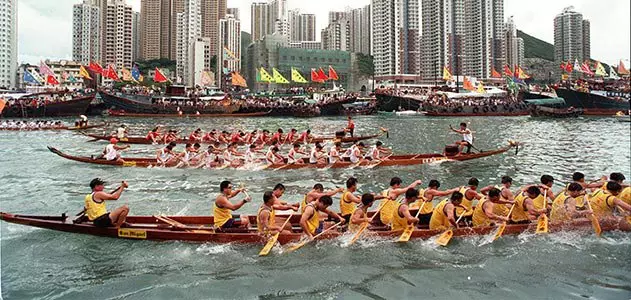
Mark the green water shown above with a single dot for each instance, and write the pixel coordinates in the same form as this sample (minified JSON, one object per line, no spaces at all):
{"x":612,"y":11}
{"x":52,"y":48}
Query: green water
{"x":44,"y":264}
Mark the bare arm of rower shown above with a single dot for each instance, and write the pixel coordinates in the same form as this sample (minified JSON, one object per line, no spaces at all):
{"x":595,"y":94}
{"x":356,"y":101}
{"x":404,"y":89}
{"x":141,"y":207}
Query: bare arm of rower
{"x":485,"y":190}
{"x":437,"y":193}
{"x":406,"y":213}
{"x":285,"y":206}
{"x":570,"y":206}
{"x":358,"y":217}
{"x":235,"y":192}
{"x":622,"y":204}
{"x":397,"y":192}
{"x":329,"y":193}
{"x":334,"y":215}
{"x":473,"y":194}
{"x":450,"y":208}
{"x":224,"y":203}
{"x":113,"y":196}
{"x":488,"y":211}
{"x":353,"y":198}
{"x":530,"y":206}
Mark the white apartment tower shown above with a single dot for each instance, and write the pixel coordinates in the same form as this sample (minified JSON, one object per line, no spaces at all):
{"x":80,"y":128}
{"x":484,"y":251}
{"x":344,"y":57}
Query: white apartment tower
{"x":514,"y":45}
{"x":337,"y":36}
{"x":484,"y":37}
{"x":571,"y":36}
{"x":86,"y":32}
{"x":189,"y":29}
{"x":260,"y":20}
{"x":118,"y":35}
{"x":234,"y":11}
{"x":360,"y":30}
{"x":8,"y":43}
{"x":229,"y":39}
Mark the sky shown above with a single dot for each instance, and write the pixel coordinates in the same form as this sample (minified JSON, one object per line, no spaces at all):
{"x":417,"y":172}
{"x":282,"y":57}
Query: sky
{"x":45,"y":26}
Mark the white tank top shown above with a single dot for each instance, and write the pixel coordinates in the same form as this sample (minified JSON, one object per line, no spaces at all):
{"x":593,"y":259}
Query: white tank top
{"x":468,"y":136}
{"x":110,"y":152}
{"x":353,"y":155}
{"x":333,"y":154}
{"x":313,"y":157}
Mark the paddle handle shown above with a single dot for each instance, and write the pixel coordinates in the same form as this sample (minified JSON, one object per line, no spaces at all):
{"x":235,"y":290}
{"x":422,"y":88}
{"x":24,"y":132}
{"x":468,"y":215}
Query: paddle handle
{"x":285,"y":224}
{"x":510,"y":211}
{"x":420,"y":209}
{"x":327,"y":230}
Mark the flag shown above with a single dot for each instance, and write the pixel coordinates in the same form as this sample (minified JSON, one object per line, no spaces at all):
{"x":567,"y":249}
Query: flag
{"x":522,"y":74}
{"x":38,"y":77}
{"x":84,"y":73}
{"x":586,"y":69}
{"x":159,"y":77}
{"x":72,"y":78}
{"x":322,"y":76}
{"x":64,"y":75}
{"x":517,"y":74}
{"x":238,"y":80}
{"x":28,"y":77}
{"x":481,"y":89}
{"x":467,"y":84}
{"x":266,"y":77}
{"x":278,"y":77}
{"x":508,"y":72}
{"x":622,"y":70}
{"x":51,"y":80}
{"x":135,"y":73}
{"x":495,"y":74}
{"x":315,"y":77}
{"x":333,"y":74}
{"x":206,"y":79}
{"x":111,"y":73}
{"x":229,"y":55}
{"x":95,"y":67}
{"x":44,"y":69}
{"x":612,"y":74}
{"x":127,"y":75}
{"x":600,"y":69}
{"x":2,"y":103}
{"x":563,"y":65}
{"x":297,"y":77}
{"x":577,"y":67}
{"x":447,"y":75}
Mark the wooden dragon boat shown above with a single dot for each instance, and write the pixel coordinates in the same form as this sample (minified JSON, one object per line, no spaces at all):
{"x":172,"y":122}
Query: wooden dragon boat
{"x":199,"y":229}
{"x":395,"y":160}
{"x":72,"y":128}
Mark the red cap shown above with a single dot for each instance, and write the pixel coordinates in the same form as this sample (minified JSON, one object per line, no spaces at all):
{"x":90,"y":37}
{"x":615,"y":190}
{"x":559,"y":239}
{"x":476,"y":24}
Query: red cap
{"x":113,"y":140}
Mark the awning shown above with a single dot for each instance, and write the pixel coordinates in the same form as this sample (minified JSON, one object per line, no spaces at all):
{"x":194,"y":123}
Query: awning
{"x":546,"y":101}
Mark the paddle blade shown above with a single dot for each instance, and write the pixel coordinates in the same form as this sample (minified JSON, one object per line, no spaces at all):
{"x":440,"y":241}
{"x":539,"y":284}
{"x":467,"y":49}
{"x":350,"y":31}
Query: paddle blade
{"x":270,"y":244}
{"x":359,"y":233}
{"x":297,"y":246}
{"x":596,"y":225}
{"x":542,"y":224}
{"x":444,"y":238}
{"x":407,"y":233}
{"x":500,"y":231}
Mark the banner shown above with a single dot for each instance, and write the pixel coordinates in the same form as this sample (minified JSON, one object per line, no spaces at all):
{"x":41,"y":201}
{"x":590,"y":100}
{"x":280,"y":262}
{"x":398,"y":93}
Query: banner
{"x":333,"y":74}
{"x":84,"y":73}
{"x":278,"y":77}
{"x":159,"y":77}
{"x":447,"y":75}
{"x":297,"y":77}
{"x":265,"y":77}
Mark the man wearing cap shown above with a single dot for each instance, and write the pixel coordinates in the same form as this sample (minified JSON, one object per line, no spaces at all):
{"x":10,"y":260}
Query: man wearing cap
{"x":111,"y":151}
{"x":95,"y":205}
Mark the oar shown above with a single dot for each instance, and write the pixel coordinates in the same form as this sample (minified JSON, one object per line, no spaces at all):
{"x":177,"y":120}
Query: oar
{"x":272,"y":241}
{"x":500,"y":230}
{"x":593,"y":218}
{"x":299,"y":245}
{"x":378,"y":163}
{"x":365,"y":225}
{"x":542,"y":223}
{"x":444,"y":238}
{"x":407,"y":233}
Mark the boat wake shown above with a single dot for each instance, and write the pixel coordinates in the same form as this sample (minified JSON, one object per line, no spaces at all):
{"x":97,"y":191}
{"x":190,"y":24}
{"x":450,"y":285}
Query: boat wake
{"x":210,"y":249}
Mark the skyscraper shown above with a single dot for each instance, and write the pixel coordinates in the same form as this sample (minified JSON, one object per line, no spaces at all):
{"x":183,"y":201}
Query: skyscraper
{"x":189,"y":29}
{"x":587,"y":43}
{"x":395,"y":32}
{"x":86,"y":32}
{"x":158,"y":21}
{"x":337,"y":35}
{"x":484,"y":37}
{"x":302,"y":26}
{"x":118,"y":35}
{"x":360,"y":30}
{"x":260,"y":20}
{"x":211,"y":12}
{"x":570,"y":38}
{"x":135,"y":33}
{"x":235,"y":12}
{"x":8,"y":43}
{"x":514,"y":45}
{"x":229,"y":45}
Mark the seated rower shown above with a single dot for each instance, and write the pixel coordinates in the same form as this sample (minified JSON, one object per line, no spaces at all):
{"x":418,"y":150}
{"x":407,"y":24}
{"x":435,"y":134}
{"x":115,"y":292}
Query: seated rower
{"x":355,"y":154}
{"x":196,"y":136}
{"x":250,"y":155}
{"x":470,"y":194}
{"x":306,"y":137}
{"x":310,"y":219}
{"x":292,"y":157}
{"x":604,"y":201}
{"x":154,"y":136}
{"x":223,"y":138}
{"x":111,"y":151}
{"x":273,"y":158}
{"x":230,"y":156}
{"x":444,"y":215}
{"x":505,"y":194}
{"x":525,"y":210}
{"x":360,"y":214}
{"x":467,"y":137}
{"x":391,"y":195}
{"x":95,"y":205}
{"x":237,"y":137}
{"x":83,"y":121}
{"x":223,"y":208}
{"x":210,"y":137}
{"x":315,"y":193}
{"x":484,"y":212}
{"x":266,"y":217}
{"x":378,"y":152}
{"x":277,"y":137}
{"x":565,"y":204}
{"x":278,"y":192}
{"x":291,"y":137}
{"x":186,"y":157}
{"x":316,"y":156}
{"x":166,"y":157}
{"x":427,"y":196}
{"x":547,"y":182}
{"x":171,"y":137}
{"x":121,"y":133}
{"x":348,"y":201}
{"x":334,"y":153}
{"x":401,"y":217}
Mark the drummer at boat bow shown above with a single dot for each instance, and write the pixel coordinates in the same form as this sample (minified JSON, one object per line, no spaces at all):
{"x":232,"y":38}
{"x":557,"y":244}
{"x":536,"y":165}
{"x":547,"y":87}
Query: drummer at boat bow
{"x":310,"y":219}
{"x":223,"y":208}
{"x":95,"y":205}
{"x":467,"y":137}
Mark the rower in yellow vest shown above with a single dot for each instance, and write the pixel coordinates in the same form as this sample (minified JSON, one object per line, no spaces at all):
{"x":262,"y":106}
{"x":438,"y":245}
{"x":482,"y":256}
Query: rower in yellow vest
{"x":310,"y":219}
{"x":315,"y":193}
{"x":401,"y":217}
{"x":505,"y":195}
{"x":427,"y":196}
{"x":393,"y":193}
{"x":625,"y":195}
{"x":223,"y":208}
{"x":545,"y":186}
{"x":483,"y":214}
{"x":444,"y":215}
{"x":579,"y":178}
{"x":280,"y":205}
{"x":266,"y":217}
{"x":95,"y":205}
{"x":360,"y":215}
{"x":564,"y":206}
{"x":348,"y":201}
{"x":469,"y":195}
{"x":604,"y":201}
{"x":525,"y":210}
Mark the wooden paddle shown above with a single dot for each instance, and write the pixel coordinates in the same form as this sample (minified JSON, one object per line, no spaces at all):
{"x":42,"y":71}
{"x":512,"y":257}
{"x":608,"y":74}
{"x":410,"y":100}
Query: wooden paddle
{"x":365,"y":225}
{"x":500,"y":230}
{"x":299,"y":245}
{"x":407,"y":233}
{"x":272,"y":241}
{"x":542,"y":223}
{"x":446,"y":236}
{"x":593,"y":218}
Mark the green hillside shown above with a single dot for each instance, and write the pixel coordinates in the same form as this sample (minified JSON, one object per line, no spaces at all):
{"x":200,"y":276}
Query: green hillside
{"x":536,"y":48}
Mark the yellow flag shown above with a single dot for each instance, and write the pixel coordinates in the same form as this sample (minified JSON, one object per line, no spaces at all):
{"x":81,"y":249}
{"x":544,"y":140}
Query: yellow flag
{"x":600,"y":70}
{"x":447,"y":75}
{"x":481,"y":89}
{"x":278,"y":77}
{"x":84,"y":73}
{"x":266,"y":77}
{"x":297,"y":77}
{"x":127,"y":75}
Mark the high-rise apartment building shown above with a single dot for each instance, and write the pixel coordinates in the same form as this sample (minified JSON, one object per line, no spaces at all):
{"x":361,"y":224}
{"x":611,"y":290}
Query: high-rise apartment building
{"x":302,"y":26}
{"x":337,"y":35}
{"x":260,"y":20}
{"x":234,"y":11}
{"x":229,"y":45}
{"x":8,"y":43}
{"x":211,"y":12}
{"x":484,"y":38}
{"x":395,"y":32}
{"x":270,"y":17}
{"x":158,"y":28}
{"x":86,"y":32}
{"x":571,"y":36}
{"x":189,"y":29}
{"x":199,"y":61}
{"x":135,"y":33}
{"x":360,"y":30}
{"x":514,"y":45}
{"x":118,"y":35}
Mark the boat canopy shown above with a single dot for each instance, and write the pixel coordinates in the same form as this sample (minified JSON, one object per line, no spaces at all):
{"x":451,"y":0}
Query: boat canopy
{"x":546,"y":101}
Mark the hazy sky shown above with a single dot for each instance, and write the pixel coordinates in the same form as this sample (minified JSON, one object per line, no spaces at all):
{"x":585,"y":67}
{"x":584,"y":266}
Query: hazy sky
{"x":45,"y":26}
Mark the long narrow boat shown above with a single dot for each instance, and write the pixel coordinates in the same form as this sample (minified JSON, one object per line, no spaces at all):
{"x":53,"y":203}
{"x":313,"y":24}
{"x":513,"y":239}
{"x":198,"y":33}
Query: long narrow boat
{"x":139,"y":140}
{"x":74,"y":107}
{"x":116,"y":113}
{"x":198,"y":229}
{"x":73,"y":128}
{"x":398,"y":160}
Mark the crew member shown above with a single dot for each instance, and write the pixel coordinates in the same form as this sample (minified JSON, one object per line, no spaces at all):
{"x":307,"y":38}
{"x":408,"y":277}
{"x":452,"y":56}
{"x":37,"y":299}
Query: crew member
{"x":95,"y":205}
{"x":565,"y":204}
{"x":470,"y":194}
{"x":360,"y":215}
{"x":310,"y":219}
{"x":444,"y":215}
{"x":467,"y":137}
{"x":427,"y":196}
{"x":265,"y":218}
{"x":223,"y":208}
{"x":154,"y":136}
{"x":317,"y":192}
{"x":392,"y":194}
{"x":166,"y":157}
{"x":401,"y":217}
{"x":292,"y":157}
{"x":111,"y":151}
{"x":484,"y":215}
{"x":350,"y":126}
{"x":349,"y":201}
{"x":525,"y":209}
{"x":121,"y":133}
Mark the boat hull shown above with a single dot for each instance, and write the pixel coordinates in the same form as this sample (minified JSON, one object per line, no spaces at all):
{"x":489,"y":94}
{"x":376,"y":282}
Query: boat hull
{"x":130,"y":104}
{"x":144,"y":141}
{"x":114,"y":113}
{"x":57,"y":129}
{"x":594,"y":104}
{"x":70,"y":108}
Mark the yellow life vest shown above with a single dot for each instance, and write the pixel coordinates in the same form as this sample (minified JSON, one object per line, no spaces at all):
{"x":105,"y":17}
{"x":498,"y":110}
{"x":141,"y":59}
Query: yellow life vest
{"x":500,"y":209}
{"x":559,"y":213}
{"x":466,"y":202}
{"x":303,"y":204}
{"x":625,"y":195}
{"x":221,"y":215}
{"x":540,"y":202}
{"x":388,"y":207}
{"x":94,"y":209}
{"x":519,"y":212}
{"x":346,"y":208}
{"x":429,"y":205}
{"x":602,"y":204}
{"x":355,"y":227}
{"x":479,"y":217}
{"x":398,"y":222}
{"x":314,"y":221}
{"x":439,"y":219}
{"x":580,"y":201}
{"x":270,"y":220}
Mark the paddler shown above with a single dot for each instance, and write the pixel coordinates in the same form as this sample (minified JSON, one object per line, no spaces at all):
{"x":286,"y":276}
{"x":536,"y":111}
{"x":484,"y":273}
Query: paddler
{"x":237,"y":137}
{"x":310,"y":219}
{"x":166,"y":157}
{"x":484,"y":212}
{"x":223,"y":137}
{"x":348,"y":201}
{"x":579,"y":178}
{"x":427,"y":196}
{"x":392,"y":194}
{"x":272,"y":157}
{"x":316,"y":156}
{"x":196,"y":136}
{"x":291,"y":137}
{"x":306,"y":137}
{"x":360,"y":215}
{"x":278,"y":204}
{"x":470,"y":194}
{"x":604,"y":201}
{"x":401,"y":217}
{"x":277,"y":137}
{"x":111,"y":151}
{"x":95,"y":205}
{"x":171,"y":136}
{"x":317,"y":192}
{"x":210,"y":137}
{"x":350,"y":126}
{"x":230,"y":156}
{"x":292,"y":156}
{"x":121,"y":133}
{"x":223,"y":208}
{"x":265,"y":218}
{"x":250,"y":155}
{"x":154,"y":135}
{"x":525,"y":209}
{"x":545,"y":187}
{"x":467,"y":137}
{"x":444,"y":215}
{"x":506,"y":195}
{"x":378,"y":152}
{"x":565,"y":204}
{"x":334,"y":154}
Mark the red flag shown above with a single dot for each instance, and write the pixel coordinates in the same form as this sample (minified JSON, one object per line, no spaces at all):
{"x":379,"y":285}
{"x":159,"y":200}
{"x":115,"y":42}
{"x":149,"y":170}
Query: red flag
{"x":315,"y":77}
{"x":51,"y":80}
{"x":495,"y":74}
{"x":563,"y":66}
{"x":159,"y":77}
{"x":111,"y":73}
{"x":95,"y":67}
{"x":586,"y":69}
{"x":468,"y":85}
{"x":508,"y":72}
{"x":322,"y":76}
{"x":622,"y":70}
{"x":333,"y":74}
{"x":569,"y":67}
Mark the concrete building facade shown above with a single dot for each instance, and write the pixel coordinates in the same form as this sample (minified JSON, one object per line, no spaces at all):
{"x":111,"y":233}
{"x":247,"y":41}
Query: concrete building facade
{"x":571,"y":36}
{"x":8,"y":43}
{"x":118,"y":35}
{"x":514,"y":46}
{"x":86,"y":32}
{"x":229,"y":39}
